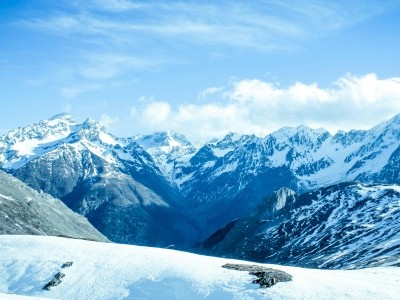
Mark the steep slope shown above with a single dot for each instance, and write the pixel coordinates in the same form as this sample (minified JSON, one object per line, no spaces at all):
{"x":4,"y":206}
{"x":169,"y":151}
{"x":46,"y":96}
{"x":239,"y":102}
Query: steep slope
{"x":112,"y":271}
{"x":26,"y":211}
{"x":348,"y":225}
{"x":111,"y":181}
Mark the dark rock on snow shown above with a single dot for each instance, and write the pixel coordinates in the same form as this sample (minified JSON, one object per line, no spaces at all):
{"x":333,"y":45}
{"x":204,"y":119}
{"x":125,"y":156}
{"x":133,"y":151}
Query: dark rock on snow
{"x":266,"y":277}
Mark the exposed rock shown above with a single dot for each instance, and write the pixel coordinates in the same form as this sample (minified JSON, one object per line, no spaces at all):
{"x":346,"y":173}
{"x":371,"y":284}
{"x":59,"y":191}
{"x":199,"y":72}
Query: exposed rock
{"x":54,"y":282}
{"x":266,"y":277}
{"x":67,"y":264}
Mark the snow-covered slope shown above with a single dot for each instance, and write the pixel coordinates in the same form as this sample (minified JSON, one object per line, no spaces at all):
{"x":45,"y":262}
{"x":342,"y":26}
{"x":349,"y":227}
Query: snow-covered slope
{"x":343,"y":226}
{"x":112,"y":271}
{"x":112,"y":181}
{"x":26,"y":211}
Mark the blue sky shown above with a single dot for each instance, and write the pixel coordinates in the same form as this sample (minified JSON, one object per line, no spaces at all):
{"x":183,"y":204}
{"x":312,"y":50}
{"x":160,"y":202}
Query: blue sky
{"x":200,"y":67}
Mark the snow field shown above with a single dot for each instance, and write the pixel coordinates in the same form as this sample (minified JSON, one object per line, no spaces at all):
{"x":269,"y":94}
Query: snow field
{"x":114,"y":271}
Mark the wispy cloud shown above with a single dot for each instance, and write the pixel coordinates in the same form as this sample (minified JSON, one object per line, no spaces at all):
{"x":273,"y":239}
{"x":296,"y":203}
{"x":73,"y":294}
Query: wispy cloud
{"x":263,"y":25}
{"x":109,"y":65}
{"x":210,"y":91}
{"x":257,"y":107}
{"x":107,"y":39}
{"x":116,"y":5}
{"x":75,"y":90}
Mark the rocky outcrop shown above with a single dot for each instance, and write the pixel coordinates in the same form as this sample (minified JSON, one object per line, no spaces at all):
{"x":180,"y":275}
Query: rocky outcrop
{"x":266,"y":277}
{"x":55,"y":281}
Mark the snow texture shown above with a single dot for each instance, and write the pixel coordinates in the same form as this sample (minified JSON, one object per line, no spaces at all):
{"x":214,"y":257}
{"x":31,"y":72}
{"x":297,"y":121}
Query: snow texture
{"x":113,"y":271}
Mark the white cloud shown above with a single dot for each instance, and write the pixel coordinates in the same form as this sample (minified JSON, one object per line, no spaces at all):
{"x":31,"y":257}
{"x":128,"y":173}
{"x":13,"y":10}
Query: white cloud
{"x":209,"y":92}
{"x":108,"y":121}
{"x":156,"y":113}
{"x":254,"y":106}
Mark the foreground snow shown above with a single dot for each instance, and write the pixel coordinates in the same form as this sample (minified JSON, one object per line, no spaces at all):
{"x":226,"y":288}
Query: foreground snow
{"x":113,"y":271}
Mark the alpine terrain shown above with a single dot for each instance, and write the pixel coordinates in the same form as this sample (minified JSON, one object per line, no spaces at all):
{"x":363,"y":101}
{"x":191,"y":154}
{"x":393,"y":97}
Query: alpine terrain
{"x":161,"y":189}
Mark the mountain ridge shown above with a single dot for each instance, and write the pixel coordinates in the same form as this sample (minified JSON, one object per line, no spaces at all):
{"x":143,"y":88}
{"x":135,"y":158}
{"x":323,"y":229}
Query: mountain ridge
{"x":216,"y":182}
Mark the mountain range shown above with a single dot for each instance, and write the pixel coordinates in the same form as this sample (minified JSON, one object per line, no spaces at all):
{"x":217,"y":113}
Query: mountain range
{"x":162,"y":190}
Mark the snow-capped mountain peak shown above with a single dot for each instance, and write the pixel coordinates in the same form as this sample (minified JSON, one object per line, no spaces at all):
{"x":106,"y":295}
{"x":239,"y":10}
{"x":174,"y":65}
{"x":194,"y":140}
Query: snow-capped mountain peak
{"x":95,"y":131}
{"x":61,"y":117}
{"x":169,"y":149}
{"x":164,"y":141}
{"x":23,"y":144}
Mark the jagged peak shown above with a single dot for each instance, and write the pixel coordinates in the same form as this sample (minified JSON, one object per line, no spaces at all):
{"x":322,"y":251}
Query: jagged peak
{"x":62,"y":119}
{"x":167,"y":138}
{"x":300,"y":134}
{"x":394,"y":120}
{"x":61,"y":116}
{"x":60,"y":124}
{"x":300,"y":129}
{"x":231,"y":138}
{"x":393,"y":123}
{"x":92,"y":124}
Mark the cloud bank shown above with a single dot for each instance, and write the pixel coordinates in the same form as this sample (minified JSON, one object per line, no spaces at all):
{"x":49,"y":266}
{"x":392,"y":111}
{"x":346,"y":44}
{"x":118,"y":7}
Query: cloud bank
{"x":252,"y":106}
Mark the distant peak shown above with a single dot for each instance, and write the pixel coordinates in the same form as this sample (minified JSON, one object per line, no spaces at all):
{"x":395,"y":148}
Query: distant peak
{"x":230,"y":137}
{"x":63,"y":116}
{"x":160,"y":139}
{"x":301,"y":130}
{"x":234,"y":136}
{"x":394,"y":120}
{"x":93,"y":124}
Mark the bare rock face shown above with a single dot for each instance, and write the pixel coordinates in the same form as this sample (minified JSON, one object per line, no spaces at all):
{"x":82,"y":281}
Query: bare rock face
{"x":55,"y":281}
{"x":67,"y":264}
{"x":266,"y":277}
